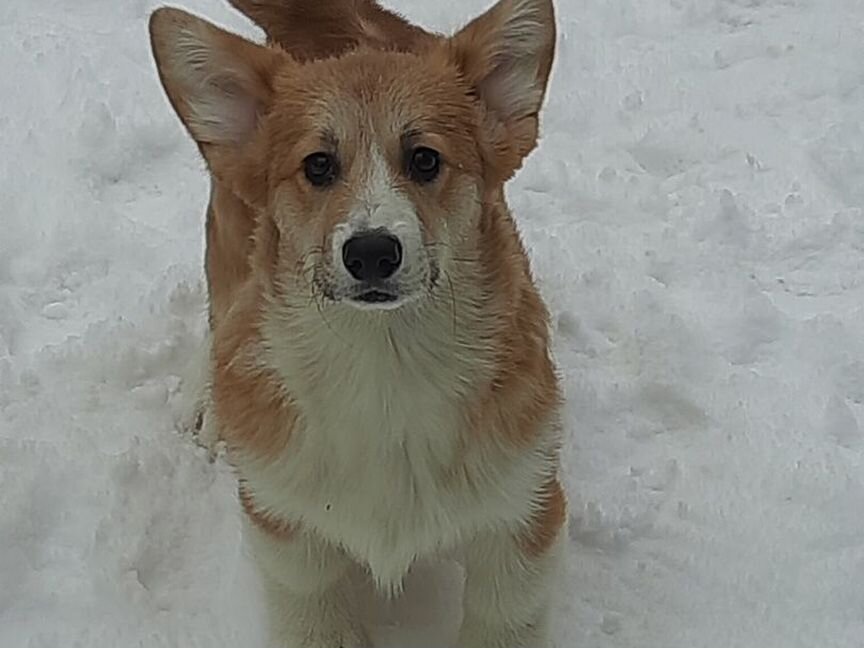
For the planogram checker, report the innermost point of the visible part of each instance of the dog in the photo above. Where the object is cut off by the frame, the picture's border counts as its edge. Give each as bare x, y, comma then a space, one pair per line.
380, 363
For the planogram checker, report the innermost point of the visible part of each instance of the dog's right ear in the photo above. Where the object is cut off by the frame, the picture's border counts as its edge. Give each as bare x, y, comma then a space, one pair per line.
220, 85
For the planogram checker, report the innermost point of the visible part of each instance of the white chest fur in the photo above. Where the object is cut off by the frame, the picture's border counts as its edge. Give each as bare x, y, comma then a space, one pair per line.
383, 464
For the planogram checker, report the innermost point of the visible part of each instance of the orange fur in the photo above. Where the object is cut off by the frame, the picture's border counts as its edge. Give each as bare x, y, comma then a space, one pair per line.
307, 99
253, 413
325, 28
306, 31
524, 387
548, 521
230, 224
347, 77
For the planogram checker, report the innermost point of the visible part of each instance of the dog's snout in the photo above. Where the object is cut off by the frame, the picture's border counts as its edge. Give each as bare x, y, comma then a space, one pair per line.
372, 256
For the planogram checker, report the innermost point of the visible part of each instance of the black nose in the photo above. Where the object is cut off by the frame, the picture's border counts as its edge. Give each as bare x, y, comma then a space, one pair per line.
372, 256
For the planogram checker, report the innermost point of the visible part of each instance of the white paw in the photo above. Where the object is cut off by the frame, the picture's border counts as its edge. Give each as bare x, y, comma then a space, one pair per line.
326, 637
531, 635
319, 622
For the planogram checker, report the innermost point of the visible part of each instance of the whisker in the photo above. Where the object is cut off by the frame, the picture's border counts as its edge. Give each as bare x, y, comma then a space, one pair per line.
320, 308
452, 300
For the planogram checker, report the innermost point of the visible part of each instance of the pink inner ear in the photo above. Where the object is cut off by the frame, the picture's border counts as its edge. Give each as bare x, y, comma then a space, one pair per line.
512, 89
224, 111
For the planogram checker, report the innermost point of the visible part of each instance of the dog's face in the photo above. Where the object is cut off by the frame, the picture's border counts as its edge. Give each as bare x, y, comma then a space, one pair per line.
369, 169
374, 171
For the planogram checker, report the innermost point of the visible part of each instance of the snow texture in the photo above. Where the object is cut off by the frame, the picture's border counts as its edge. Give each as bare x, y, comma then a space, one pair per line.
694, 218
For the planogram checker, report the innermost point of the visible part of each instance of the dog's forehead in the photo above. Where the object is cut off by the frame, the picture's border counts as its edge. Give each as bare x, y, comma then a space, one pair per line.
384, 94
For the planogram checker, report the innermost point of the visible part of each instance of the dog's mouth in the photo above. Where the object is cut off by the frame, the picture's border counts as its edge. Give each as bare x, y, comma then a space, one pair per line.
376, 296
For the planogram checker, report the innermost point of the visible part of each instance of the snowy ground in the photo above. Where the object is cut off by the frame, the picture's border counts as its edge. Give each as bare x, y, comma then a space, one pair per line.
695, 219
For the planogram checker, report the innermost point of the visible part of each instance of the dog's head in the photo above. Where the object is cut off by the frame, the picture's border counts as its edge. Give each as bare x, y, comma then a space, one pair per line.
368, 170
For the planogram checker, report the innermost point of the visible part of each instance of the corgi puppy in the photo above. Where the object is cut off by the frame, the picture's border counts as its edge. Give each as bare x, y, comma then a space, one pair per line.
381, 372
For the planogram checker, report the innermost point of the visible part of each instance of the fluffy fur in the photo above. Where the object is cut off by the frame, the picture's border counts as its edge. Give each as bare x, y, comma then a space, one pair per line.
371, 434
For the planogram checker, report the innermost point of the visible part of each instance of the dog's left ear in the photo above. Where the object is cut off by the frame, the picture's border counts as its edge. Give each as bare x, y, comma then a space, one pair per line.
506, 56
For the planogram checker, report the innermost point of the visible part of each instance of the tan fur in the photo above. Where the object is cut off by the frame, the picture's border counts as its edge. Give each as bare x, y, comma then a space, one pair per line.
255, 415
349, 77
307, 31
230, 224
524, 385
548, 520
324, 28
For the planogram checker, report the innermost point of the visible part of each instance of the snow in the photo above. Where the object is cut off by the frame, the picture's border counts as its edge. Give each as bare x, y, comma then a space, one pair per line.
694, 217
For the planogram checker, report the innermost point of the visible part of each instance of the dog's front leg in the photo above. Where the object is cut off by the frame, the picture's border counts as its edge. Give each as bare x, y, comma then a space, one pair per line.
309, 598
511, 578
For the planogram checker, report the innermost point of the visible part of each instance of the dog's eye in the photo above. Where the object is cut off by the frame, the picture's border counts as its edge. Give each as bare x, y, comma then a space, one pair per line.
321, 169
425, 164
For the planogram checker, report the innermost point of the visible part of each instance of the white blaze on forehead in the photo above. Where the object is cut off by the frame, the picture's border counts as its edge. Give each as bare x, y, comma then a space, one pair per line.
380, 205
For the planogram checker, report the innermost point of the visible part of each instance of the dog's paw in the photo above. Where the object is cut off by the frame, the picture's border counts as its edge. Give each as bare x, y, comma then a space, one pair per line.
328, 638
326, 623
